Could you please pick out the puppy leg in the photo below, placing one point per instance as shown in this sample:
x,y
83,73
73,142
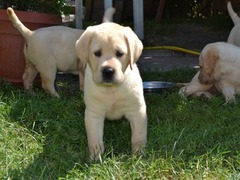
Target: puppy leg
x,y
229,92
207,95
48,80
29,75
138,122
94,126
195,90
194,87
81,76
81,79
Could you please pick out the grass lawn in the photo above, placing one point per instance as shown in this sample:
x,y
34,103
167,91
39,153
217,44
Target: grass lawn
x,y
42,137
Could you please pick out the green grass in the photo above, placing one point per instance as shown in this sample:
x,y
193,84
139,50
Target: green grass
x,y
42,137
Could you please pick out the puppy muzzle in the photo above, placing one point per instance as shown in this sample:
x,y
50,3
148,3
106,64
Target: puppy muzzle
x,y
108,74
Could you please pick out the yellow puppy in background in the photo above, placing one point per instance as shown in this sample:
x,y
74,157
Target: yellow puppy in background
x,y
219,69
48,50
112,84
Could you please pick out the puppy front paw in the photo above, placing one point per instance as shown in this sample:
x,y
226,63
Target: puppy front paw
x,y
182,92
96,152
139,147
228,101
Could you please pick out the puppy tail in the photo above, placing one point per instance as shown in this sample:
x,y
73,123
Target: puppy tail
x,y
232,14
108,15
23,30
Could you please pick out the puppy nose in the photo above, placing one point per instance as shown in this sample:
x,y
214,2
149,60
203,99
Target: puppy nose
x,y
108,73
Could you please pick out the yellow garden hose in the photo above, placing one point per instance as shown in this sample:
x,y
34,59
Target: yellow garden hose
x,y
173,48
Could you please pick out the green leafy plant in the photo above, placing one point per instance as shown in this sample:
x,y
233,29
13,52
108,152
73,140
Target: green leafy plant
x,y
42,6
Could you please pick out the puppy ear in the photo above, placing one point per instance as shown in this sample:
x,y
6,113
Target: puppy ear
x,y
82,46
135,46
211,58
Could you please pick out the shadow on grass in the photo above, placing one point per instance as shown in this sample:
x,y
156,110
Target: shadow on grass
x,y
57,127
62,127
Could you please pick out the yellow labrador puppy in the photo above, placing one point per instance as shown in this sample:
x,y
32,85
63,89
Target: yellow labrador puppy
x,y
113,86
219,69
48,50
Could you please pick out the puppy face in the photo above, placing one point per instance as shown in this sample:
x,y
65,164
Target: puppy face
x,y
108,49
108,58
207,62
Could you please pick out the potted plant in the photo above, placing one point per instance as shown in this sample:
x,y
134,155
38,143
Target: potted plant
x,y
34,14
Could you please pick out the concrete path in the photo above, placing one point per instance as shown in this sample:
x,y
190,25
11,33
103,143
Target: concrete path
x,y
165,60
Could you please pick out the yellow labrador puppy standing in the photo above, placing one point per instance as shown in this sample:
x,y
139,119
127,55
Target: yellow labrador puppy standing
x,y
47,50
219,69
112,85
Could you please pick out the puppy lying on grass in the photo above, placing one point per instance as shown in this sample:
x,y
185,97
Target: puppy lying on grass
x,y
48,50
112,84
219,69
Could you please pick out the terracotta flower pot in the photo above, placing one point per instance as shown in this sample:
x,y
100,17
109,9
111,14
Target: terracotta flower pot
x,y
12,61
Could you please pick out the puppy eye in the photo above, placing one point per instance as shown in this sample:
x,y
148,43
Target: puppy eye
x,y
98,53
119,54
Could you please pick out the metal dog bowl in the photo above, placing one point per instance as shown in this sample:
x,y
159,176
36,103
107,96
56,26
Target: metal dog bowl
x,y
156,86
